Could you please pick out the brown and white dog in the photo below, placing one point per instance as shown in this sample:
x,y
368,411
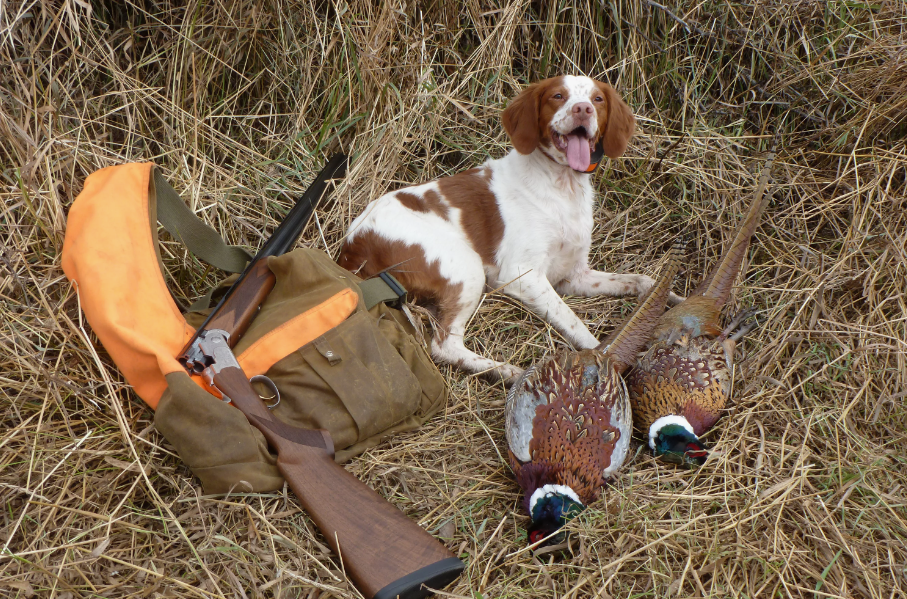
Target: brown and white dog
x,y
522,223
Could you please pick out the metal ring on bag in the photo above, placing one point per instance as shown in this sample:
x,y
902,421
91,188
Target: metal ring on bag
x,y
260,378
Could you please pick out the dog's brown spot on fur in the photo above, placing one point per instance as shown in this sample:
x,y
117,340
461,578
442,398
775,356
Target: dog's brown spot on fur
x,y
601,109
430,202
486,173
548,105
411,201
436,204
479,214
375,254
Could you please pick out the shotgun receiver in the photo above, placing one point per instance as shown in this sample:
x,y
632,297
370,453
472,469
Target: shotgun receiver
x,y
387,555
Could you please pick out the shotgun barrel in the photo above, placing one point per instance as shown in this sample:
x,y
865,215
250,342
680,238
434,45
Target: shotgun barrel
x,y
288,231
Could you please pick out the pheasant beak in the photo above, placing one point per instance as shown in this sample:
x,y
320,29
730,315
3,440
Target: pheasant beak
x,y
678,445
539,535
695,455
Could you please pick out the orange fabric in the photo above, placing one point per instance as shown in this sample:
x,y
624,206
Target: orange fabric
x,y
295,333
109,255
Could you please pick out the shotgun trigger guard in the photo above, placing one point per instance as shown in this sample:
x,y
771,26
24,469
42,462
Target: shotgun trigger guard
x,y
260,378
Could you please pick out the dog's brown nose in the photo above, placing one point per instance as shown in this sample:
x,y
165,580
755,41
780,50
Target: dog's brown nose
x,y
582,109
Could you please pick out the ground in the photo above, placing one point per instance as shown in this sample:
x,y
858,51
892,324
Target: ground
x,y
241,102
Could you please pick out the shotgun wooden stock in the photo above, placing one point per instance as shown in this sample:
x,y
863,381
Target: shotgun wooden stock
x,y
386,554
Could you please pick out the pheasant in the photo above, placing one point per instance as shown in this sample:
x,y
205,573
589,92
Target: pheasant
x,y
568,419
682,381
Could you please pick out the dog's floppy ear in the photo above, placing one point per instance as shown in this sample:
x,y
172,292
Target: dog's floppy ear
x,y
621,123
521,120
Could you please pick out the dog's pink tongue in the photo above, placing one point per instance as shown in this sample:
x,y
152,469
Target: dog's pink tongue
x,y
578,152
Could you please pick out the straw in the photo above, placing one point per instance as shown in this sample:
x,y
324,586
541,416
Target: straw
x,y
240,102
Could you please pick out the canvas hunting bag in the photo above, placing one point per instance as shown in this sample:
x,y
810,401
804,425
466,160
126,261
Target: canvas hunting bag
x,y
342,358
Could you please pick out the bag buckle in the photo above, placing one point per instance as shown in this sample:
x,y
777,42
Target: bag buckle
x,y
396,288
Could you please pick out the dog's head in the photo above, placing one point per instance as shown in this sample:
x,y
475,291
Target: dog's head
x,y
568,117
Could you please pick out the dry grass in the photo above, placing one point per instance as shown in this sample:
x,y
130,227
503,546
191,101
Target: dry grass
x,y
238,102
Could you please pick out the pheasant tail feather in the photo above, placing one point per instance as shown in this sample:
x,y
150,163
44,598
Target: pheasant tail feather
x,y
719,282
622,345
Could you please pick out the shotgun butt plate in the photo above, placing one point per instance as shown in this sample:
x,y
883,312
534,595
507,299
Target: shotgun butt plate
x,y
423,581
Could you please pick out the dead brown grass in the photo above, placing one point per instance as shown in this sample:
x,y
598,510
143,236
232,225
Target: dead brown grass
x,y
238,102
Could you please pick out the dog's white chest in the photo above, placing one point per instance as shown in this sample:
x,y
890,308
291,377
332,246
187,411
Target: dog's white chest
x,y
548,219
570,224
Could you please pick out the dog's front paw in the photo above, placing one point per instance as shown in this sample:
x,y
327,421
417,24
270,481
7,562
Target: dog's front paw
x,y
509,374
645,283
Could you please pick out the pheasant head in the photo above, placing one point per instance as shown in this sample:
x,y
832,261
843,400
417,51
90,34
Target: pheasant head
x,y
550,507
676,443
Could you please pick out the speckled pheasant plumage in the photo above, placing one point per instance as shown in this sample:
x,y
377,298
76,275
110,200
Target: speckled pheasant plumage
x,y
568,418
682,382
577,434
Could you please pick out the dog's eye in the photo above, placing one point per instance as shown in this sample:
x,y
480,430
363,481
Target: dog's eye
x,y
599,99
558,97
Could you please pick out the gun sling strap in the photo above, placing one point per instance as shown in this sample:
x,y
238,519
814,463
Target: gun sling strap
x,y
344,359
208,246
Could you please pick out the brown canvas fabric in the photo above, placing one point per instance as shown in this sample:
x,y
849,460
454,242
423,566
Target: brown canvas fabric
x,y
214,439
362,380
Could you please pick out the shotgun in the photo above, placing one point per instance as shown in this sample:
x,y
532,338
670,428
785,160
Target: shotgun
x,y
385,554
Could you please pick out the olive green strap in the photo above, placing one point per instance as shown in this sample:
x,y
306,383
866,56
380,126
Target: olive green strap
x,y
208,245
199,238
383,288
202,303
